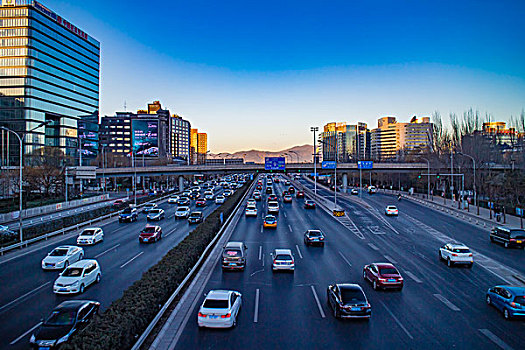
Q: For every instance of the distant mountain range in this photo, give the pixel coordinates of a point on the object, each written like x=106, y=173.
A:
x=297, y=154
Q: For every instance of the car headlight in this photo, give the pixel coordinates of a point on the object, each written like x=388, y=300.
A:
x=32, y=339
x=63, y=339
x=74, y=284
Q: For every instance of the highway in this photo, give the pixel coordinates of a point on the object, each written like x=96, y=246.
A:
x=27, y=291
x=439, y=307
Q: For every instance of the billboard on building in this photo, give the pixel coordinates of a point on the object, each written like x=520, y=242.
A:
x=145, y=137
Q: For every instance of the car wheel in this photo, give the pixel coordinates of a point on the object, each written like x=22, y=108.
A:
x=98, y=278
x=506, y=314
x=449, y=263
x=375, y=285
x=489, y=301
x=81, y=290
x=491, y=239
x=440, y=256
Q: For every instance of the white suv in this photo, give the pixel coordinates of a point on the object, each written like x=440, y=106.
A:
x=456, y=253
x=77, y=277
x=91, y=235
x=182, y=213
x=220, y=309
x=273, y=207
x=283, y=260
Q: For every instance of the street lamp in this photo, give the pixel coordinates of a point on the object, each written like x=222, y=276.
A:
x=475, y=191
x=314, y=129
x=21, y=140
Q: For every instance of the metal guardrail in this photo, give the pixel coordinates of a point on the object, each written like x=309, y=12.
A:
x=70, y=228
x=197, y=266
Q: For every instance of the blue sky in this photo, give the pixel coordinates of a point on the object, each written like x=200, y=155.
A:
x=257, y=74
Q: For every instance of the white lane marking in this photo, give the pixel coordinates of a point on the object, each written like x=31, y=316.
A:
x=290, y=228
x=447, y=302
x=262, y=229
x=256, y=312
x=26, y=333
x=256, y=272
x=260, y=252
x=299, y=251
x=345, y=259
x=285, y=215
x=23, y=296
x=318, y=303
x=127, y=262
x=105, y=251
x=411, y=275
x=397, y=321
x=390, y=259
x=496, y=340
x=263, y=260
x=372, y=245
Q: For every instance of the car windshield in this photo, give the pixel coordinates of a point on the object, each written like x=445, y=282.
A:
x=283, y=257
x=72, y=272
x=314, y=233
x=195, y=215
x=270, y=219
x=520, y=299
x=388, y=271
x=182, y=209
x=61, y=318
x=149, y=229
x=149, y=205
x=232, y=253
x=59, y=252
x=460, y=250
x=351, y=296
x=126, y=211
x=517, y=234
x=215, y=304
x=154, y=211
x=392, y=208
x=88, y=232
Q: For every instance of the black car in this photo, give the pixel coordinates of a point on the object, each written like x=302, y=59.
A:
x=183, y=202
x=291, y=190
x=312, y=237
x=272, y=198
x=128, y=214
x=309, y=204
x=195, y=217
x=269, y=190
x=64, y=321
x=509, y=237
x=348, y=301
x=194, y=195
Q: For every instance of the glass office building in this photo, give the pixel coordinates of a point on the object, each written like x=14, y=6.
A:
x=49, y=73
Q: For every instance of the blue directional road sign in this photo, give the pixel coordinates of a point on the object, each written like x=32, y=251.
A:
x=329, y=164
x=365, y=164
x=274, y=163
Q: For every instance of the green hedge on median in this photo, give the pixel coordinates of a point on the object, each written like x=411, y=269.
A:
x=126, y=318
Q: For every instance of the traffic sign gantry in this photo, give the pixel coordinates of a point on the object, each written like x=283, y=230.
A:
x=328, y=164
x=365, y=164
x=274, y=163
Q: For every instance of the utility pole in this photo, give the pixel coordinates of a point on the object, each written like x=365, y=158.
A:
x=452, y=174
x=335, y=173
x=314, y=129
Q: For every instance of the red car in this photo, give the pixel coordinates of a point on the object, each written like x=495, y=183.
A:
x=150, y=234
x=120, y=201
x=201, y=202
x=383, y=275
x=299, y=194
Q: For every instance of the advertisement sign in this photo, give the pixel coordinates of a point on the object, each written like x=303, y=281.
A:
x=145, y=137
x=365, y=164
x=274, y=163
x=329, y=164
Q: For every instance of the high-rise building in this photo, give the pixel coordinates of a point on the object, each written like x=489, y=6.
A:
x=391, y=139
x=180, y=138
x=199, y=147
x=49, y=73
x=351, y=141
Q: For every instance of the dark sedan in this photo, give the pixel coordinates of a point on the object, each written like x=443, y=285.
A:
x=309, y=204
x=183, y=201
x=299, y=194
x=313, y=237
x=65, y=319
x=196, y=217
x=383, y=275
x=348, y=301
x=272, y=198
x=201, y=202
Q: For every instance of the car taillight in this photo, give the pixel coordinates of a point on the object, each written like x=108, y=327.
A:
x=322, y=238
x=454, y=254
x=512, y=240
x=470, y=254
x=513, y=304
x=202, y=315
x=226, y=316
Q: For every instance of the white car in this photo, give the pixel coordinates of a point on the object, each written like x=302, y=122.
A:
x=182, y=212
x=173, y=199
x=61, y=257
x=91, y=235
x=220, y=309
x=219, y=199
x=251, y=211
x=77, y=277
x=283, y=260
x=273, y=207
x=456, y=253
x=251, y=203
x=227, y=193
x=208, y=195
x=391, y=210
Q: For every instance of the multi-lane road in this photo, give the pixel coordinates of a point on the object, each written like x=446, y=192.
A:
x=27, y=291
x=439, y=307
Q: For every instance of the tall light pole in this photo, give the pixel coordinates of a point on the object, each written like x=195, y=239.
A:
x=315, y=129
x=475, y=190
x=21, y=140
x=428, y=177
